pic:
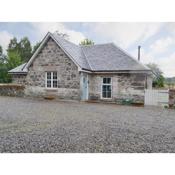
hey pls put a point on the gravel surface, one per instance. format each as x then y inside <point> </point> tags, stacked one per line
<point>33,125</point>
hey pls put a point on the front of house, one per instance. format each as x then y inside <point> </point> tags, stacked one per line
<point>68,71</point>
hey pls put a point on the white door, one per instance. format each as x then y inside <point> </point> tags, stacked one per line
<point>84,80</point>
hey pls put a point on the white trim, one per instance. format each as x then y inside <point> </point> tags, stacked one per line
<point>86,71</point>
<point>51,80</point>
<point>102,89</point>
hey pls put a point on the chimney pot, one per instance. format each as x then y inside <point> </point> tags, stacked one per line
<point>139,53</point>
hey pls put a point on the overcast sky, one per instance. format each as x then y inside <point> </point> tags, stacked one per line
<point>157,40</point>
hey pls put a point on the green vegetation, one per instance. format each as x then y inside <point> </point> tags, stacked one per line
<point>86,42</point>
<point>17,53</point>
<point>158,78</point>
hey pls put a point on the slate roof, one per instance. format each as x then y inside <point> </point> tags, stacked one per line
<point>109,57</point>
<point>19,69</point>
<point>74,50</point>
<point>101,57</point>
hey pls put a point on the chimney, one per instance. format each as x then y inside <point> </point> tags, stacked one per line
<point>139,53</point>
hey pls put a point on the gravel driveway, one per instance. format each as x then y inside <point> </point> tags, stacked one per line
<point>33,125</point>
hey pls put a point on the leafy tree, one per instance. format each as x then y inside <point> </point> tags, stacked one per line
<point>158,78</point>
<point>2,56</point>
<point>25,49</point>
<point>86,42</point>
<point>4,76</point>
<point>13,45</point>
<point>13,60</point>
<point>35,47</point>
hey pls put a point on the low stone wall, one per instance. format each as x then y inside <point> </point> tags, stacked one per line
<point>12,90</point>
<point>172,98</point>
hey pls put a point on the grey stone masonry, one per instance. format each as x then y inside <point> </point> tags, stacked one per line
<point>124,86</point>
<point>52,58</point>
<point>12,90</point>
<point>19,79</point>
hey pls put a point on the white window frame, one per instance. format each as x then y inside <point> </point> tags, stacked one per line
<point>51,80</point>
<point>110,84</point>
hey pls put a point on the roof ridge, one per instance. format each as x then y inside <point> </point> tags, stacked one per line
<point>63,38</point>
<point>96,44</point>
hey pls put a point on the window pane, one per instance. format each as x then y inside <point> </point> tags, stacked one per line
<point>108,88</point>
<point>106,80</point>
<point>48,83</point>
<point>104,94</point>
<point>106,91</point>
<point>54,84</point>
<point>48,75</point>
<point>104,87</point>
<point>108,94</point>
<point>54,75</point>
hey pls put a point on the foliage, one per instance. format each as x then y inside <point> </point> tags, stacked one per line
<point>14,60</point>
<point>4,76</point>
<point>2,56</point>
<point>86,42</point>
<point>23,48</point>
<point>35,47</point>
<point>158,78</point>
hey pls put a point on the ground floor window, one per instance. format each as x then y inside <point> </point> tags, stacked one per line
<point>51,80</point>
<point>106,88</point>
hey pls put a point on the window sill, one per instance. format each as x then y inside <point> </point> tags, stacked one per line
<point>51,89</point>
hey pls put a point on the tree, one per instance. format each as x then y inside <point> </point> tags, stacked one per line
<point>13,45</point>
<point>2,56</point>
<point>35,47</point>
<point>13,60</point>
<point>158,78</point>
<point>86,42</point>
<point>25,49</point>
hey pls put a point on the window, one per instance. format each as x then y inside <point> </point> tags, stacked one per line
<point>51,80</point>
<point>106,88</point>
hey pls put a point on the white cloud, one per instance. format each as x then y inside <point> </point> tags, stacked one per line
<point>145,57</point>
<point>162,45</point>
<point>167,65</point>
<point>43,28</point>
<point>126,34</point>
<point>5,39</point>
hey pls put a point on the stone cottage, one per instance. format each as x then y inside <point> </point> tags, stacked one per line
<point>97,72</point>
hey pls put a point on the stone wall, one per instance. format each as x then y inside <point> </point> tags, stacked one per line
<point>12,90</point>
<point>19,78</point>
<point>172,98</point>
<point>124,86</point>
<point>52,58</point>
